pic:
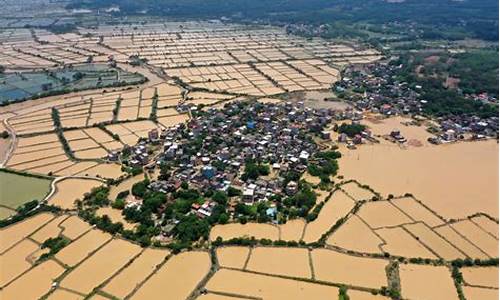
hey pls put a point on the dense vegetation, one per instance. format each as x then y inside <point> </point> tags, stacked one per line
<point>54,245</point>
<point>351,129</point>
<point>477,72</point>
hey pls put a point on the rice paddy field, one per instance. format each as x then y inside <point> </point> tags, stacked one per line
<point>17,189</point>
<point>20,86</point>
<point>72,189</point>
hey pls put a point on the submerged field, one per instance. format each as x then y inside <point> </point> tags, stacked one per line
<point>19,86</point>
<point>455,180</point>
<point>17,189</point>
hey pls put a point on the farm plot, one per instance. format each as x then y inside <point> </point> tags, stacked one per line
<point>102,110</point>
<point>73,227</point>
<point>204,98</point>
<point>486,224</point>
<point>417,211</point>
<point>233,257</point>
<point>71,189</point>
<point>99,266</point>
<point>318,70</point>
<point>103,170</point>
<point>41,154</point>
<point>292,230</point>
<point>359,295</point>
<point>474,293</point>
<point>293,262</point>
<point>34,283</point>
<point>145,264</point>
<point>460,242</point>
<point>341,268</point>
<point>481,276</point>
<point>356,192</point>
<point>210,296</point>
<point>26,156</point>
<point>17,189</point>
<point>382,214</point>
<point>398,241</point>
<point>130,133</point>
<point>426,282</point>
<point>238,79</point>
<point>91,153</point>
<point>234,230</point>
<point>179,275</point>
<point>123,186</point>
<point>14,60</point>
<point>171,121</point>
<point>168,95</point>
<point>433,241</point>
<point>15,261</point>
<point>50,230</point>
<point>82,247</point>
<point>115,215</point>
<point>37,121</point>
<point>86,142</point>
<point>15,233</point>
<point>477,236</point>
<point>60,294</point>
<point>287,77</point>
<point>76,168</point>
<point>354,226</point>
<point>267,287</point>
<point>337,207</point>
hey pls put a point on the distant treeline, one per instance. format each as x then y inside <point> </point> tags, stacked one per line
<point>478,18</point>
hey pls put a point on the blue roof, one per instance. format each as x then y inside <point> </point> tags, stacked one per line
<point>271,211</point>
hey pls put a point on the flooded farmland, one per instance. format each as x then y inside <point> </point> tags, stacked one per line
<point>233,257</point>
<point>129,278</point>
<point>349,270</point>
<point>72,189</point>
<point>293,262</point>
<point>179,276</point>
<point>426,282</point>
<point>454,180</point>
<point>259,231</point>
<point>99,267</point>
<point>267,287</point>
<point>337,207</point>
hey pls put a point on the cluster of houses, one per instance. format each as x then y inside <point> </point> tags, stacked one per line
<point>138,155</point>
<point>383,95</point>
<point>213,150</point>
<point>380,94</point>
<point>454,128</point>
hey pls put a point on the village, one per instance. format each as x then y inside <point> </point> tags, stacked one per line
<point>373,88</point>
<point>256,152</point>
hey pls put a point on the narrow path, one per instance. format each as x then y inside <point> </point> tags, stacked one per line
<point>13,142</point>
<point>53,188</point>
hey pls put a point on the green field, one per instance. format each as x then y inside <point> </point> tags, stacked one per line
<point>16,189</point>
